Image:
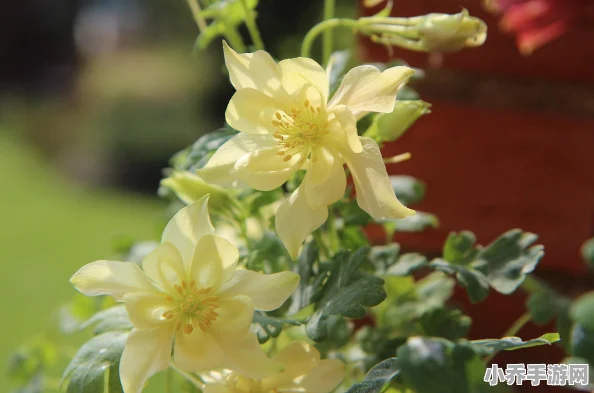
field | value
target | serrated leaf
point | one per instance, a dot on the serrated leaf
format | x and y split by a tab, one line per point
377	378
98	356
407	263
513	343
346	292
268	327
502	265
545	305
304	294
382	257
114	318
448	323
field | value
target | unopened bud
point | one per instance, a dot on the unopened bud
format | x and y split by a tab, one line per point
387	127
449	33
189	187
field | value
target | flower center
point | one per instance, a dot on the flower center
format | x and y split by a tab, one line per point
195	308
301	129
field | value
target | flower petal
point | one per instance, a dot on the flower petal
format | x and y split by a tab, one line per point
365	88
164	266
146	353
216	388
325	180
295	220
214	261
235	314
348	123
256	70
375	194
294	73
187	227
252	111
146	310
265	169
220	169
326	376
298	359
267	291
243	354
111	278
198	351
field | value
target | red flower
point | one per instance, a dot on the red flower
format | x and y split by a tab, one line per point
536	22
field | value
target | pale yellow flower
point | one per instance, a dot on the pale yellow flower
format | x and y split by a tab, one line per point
304	372
287	123
189	289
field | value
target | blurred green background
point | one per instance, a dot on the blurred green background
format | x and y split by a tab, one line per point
95	96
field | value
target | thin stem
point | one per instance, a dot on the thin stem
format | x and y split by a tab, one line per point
192	379
250	22
195	8
329	11
235	40
320	28
514	329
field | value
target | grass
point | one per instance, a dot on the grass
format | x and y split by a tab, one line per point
49	228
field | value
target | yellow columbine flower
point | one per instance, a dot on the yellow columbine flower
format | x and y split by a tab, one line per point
288	124
189	289
304	372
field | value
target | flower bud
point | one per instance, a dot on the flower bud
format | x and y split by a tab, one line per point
387	127
189	187
449	33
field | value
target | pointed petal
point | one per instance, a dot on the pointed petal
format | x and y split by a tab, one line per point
375	194
365	88
295	220
146	353
198	351
348	123
267	291
325	181
295	73
111	278
235	314
243	354
146	310
265	169
214	262
220	169
255	70
164	266
252	111
187	227
326	376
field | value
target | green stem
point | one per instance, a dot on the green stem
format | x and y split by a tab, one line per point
513	330
235	40
192	379
320	28
250	22
195	8
329	11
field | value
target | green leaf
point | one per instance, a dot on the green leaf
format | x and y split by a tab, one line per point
582	342
304	294
81	308
408	189
502	265
270	326
197	155
268	254
582	310
513	343
377	378
406	264
346	292
114	318
382	257
431	365
86	373
417	223
448	323
545	305
587	251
